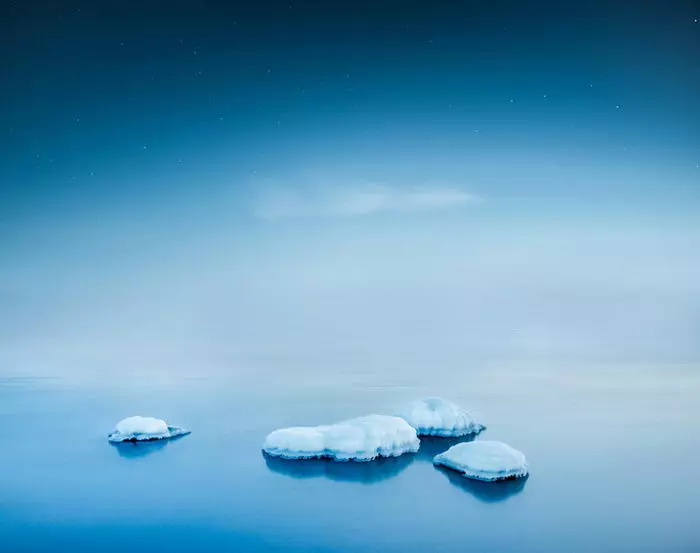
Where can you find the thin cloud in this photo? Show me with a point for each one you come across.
(360, 200)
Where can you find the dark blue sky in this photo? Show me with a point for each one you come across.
(453, 176)
(96, 95)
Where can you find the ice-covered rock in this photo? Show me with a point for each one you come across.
(360, 439)
(438, 417)
(143, 429)
(484, 460)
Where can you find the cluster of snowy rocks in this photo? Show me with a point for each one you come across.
(370, 437)
(367, 438)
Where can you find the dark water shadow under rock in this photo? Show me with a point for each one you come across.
(134, 450)
(430, 446)
(488, 492)
(369, 472)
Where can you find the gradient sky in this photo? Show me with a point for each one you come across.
(480, 178)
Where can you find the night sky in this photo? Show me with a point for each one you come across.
(391, 149)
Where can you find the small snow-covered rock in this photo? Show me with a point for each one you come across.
(360, 439)
(484, 460)
(141, 429)
(438, 417)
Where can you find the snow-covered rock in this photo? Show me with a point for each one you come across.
(142, 429)
(484, 460)
(360, 439)
(438, 417)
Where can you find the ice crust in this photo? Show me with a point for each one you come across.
(484, 460)
(143, 429)
(361, 439)
(438, 417)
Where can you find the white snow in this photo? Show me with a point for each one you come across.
(484, 460)
(137, 429)
(438, 417)
(360, 439)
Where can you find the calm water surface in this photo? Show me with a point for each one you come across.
(613, 450)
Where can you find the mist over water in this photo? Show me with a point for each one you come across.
(392, 288)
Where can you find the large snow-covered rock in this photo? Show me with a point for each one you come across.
(438, 417)
(360, 439)
(484, 460)
(143, 429)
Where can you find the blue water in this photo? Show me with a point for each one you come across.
(614, 453)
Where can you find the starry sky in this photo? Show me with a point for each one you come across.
(470, 176)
